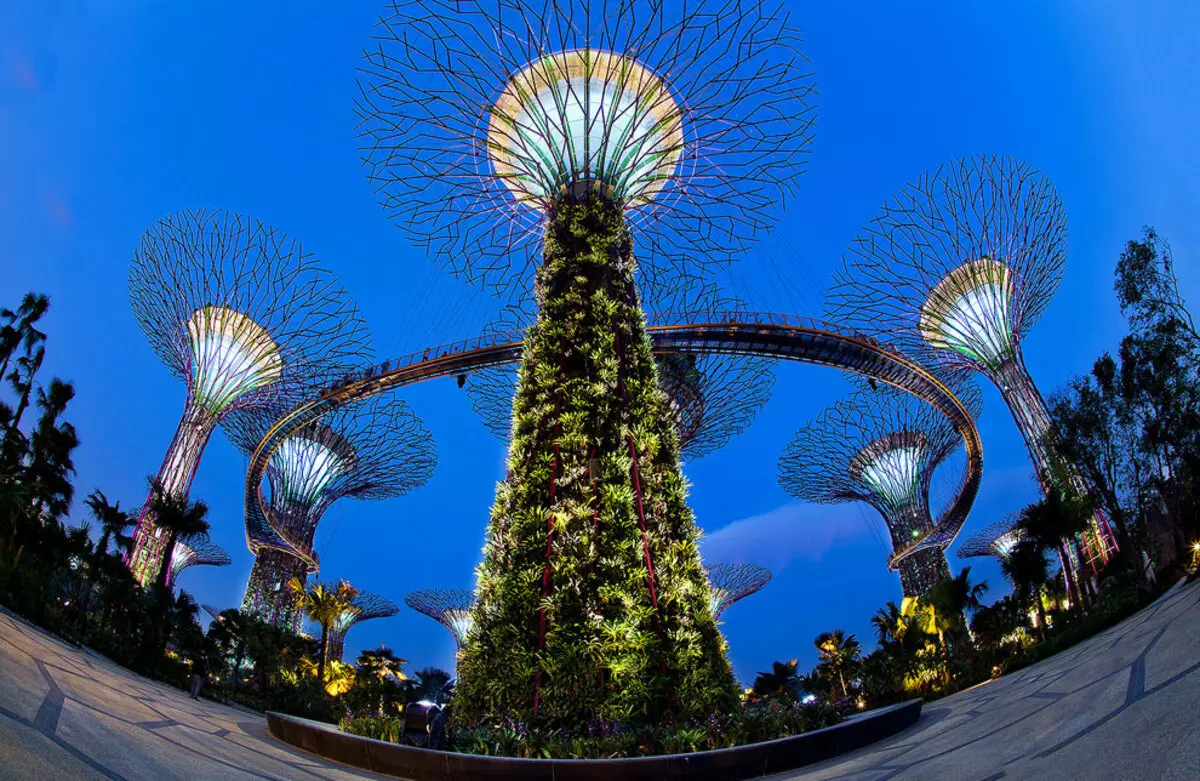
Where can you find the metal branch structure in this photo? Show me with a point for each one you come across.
(365, 607)
(734, 582)
(713, 397)
(196, 550)
(476, 116)
(449, 607)
(882, 448)
(996, 539)
(754, 334)
(529, 144)
(245, 317)
(955, 270)
(373, 450)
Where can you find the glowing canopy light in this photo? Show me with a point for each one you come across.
(459, 623)
(734, 582)
(585, 116)
(891, 467)
(1004, 544)
(231, 356)
(970, 311)
(449, 607)
(304, 468)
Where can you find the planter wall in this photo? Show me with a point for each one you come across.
(752, 761)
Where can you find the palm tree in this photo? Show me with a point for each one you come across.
(435, 685)
(18, 327)
(944, 607)
(178, 517)
(381, 662)
(890, 625)
(324, 605)
(230, 633)
(113, 523)
(781, 680)
(50, 466)
(839, 654)
(1054, 522)
(1026, 569)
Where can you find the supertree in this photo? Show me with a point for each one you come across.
(880, 447)
(449, 607)
(712, 398)
(996, 539)
(244, 316)
(371, 450)
(955, 270)
(197, 549)
(734, 582)
(527, 144)
(364, 607)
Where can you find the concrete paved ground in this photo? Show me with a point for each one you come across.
(1123, 705)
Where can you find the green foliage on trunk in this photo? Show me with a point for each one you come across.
(570, 624)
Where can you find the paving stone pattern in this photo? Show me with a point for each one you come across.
(1122, 705)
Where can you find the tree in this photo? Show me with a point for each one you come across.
(1026, 569)
(434, 684)
(380, 663)
(113, 523)
(839, 654)
(945, 607)
(229, 633)
(324, 605)
(50, 465)
(782, 680)
(178, 517)
(16, 328)
(1055, 520)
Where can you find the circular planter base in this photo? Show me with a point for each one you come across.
(750, 761)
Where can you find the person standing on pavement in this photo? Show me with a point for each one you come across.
(199, 674)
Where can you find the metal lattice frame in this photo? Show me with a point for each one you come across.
(996, 539)
(245, 317)
(449, 607)
(756, 334)
(703, 128)
(714, 397)
(369, 451)
(955, 270)
(734, 582)
(882, 448)
(196, 550)
(366, 606)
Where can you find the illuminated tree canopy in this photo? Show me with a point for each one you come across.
(366, 606)
(734, 582)
(245, 317)
(996, 539)
(476, 116)
(370, 450)
(880, 447)
(196, 550)
(955, 270)
(449, 607)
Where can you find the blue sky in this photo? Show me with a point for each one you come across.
(114, 114)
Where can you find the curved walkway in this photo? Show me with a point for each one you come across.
(1121, 705)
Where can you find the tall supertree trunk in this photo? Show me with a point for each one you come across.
(592, 602)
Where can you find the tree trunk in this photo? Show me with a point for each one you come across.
(617, 619)
(324, 650)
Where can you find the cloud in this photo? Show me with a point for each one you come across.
(793, 531)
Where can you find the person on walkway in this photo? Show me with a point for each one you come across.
(199, 674)
(437, 729)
